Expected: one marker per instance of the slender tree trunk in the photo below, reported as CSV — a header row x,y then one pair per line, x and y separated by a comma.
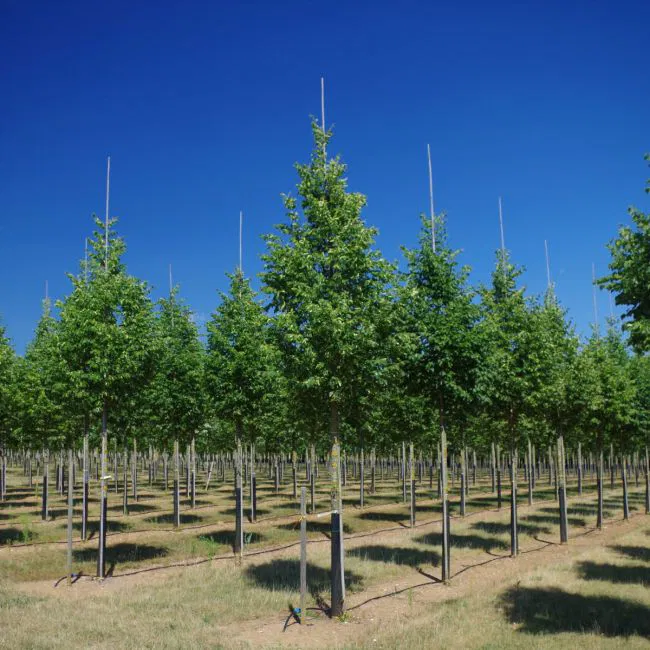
x,y
134,469
193,475
626,503
498,457
361,476
514,532
125,481
599,482
463,481
70,512
561,473
404,472
253,486
411,485
531,473
85,486
579,469
647,482
493,468
103,497
446,540
45,509
239,500
176,496
337,550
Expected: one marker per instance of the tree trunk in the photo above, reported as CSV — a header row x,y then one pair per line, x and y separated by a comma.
x,y
411,486
599,483
86,478
239,501
561,474
103,497
70,511
514,532
337,550
626,503
446,551
125,480
176,496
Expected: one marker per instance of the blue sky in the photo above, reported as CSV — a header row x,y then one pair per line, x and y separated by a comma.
x,y
204,108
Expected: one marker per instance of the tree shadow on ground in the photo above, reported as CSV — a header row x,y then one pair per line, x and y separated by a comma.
x,y
323,527
284,574
24,504
486,544
572,521
553,611
432,509
384,516
500,528
587,510
292,506
637,574
198,502
413,557
636,552
169,519
373,498
134,508
120,553
92,527
15,536
232,512
227,538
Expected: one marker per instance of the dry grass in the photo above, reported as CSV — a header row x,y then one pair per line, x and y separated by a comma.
x,y
597,599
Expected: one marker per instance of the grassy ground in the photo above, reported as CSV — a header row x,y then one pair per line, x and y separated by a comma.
x,y
596,597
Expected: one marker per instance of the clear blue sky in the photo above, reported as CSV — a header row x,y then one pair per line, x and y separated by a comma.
x,y
204,108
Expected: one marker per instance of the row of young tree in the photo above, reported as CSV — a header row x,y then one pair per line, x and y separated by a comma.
x,y
341,348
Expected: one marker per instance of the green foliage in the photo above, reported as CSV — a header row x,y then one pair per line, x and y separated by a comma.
x,y
441,342
326,284
175,397
42,386
242,364
513,372
629,276
106,331
8,389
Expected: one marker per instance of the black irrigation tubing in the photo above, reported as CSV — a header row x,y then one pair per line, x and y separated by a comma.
x,y
280,499
436,581
230,556
280,517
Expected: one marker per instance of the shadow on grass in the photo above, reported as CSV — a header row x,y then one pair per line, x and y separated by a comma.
x,y
15,536
486,544
227,538
374,498
323,527
384,516
413,557
637,574
587,510
282,574
92,527
169,519
291,506
500,528
232,511
120,553
553,611
636,552
134,508
573,521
